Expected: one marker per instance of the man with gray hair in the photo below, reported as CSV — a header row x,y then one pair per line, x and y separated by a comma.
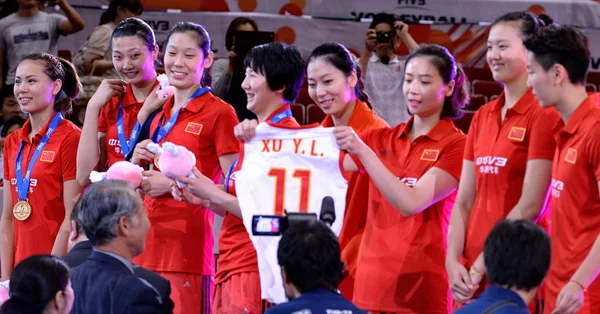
x,y
114,219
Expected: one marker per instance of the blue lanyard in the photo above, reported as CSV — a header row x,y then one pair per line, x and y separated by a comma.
x,y
230,173
287,113
126,146
23,182
165,129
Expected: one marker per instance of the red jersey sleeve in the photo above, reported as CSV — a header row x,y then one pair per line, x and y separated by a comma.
x,y
68,155
594,150
452,155
366,137
102,120
542,144
469,153
225,140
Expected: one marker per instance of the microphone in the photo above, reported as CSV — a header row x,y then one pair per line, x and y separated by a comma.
x,y
327,211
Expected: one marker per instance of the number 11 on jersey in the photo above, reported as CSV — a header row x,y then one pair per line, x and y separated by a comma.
x,y
280,177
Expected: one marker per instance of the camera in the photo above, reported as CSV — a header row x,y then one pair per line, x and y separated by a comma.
x,y
271,225
384,37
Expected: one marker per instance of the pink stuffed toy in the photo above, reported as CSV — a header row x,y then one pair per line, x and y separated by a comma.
x,y
165,90
4,295
174,161
121,170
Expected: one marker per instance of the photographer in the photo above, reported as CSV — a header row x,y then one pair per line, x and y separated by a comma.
x,y
311,281
383,70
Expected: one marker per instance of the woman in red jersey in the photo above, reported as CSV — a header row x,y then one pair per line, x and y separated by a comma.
x,y
336,86
180,242
558,61
509,151
414,169
110,130
39,162
274,75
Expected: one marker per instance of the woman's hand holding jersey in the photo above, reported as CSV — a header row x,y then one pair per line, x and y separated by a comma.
x,y
245,130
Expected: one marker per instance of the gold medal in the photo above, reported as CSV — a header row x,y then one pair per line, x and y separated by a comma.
x,y
22,210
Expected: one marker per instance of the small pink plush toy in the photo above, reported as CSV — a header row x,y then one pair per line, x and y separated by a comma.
x,y
4,295
165,90
121,170
174,161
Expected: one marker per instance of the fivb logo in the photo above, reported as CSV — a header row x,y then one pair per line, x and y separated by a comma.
x,y
557,187
490,164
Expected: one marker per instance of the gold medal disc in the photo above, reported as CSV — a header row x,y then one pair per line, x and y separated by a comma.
x,y
22,210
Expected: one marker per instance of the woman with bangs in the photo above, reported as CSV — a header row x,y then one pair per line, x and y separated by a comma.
x,y
180,242
111,127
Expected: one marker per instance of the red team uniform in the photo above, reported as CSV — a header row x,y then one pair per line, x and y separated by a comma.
x,y
575,202
56,164
180,241
401,260
500,151
361,120
237,283
107,122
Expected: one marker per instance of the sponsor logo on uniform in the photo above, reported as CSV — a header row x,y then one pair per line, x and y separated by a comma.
x,y
557,187
490,164
409,181
194,128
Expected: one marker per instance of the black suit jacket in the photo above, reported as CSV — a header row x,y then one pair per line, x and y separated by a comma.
x,y
104,285
83,249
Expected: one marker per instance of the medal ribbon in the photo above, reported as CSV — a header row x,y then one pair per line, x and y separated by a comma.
x,y
287,113
165,129
126,146
23,182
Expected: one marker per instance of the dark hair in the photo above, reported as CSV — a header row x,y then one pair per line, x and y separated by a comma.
x,y
529,24
517,254
281,65
135,27
546,19
338,56
6,91
34,283
14,120
59,69
387,18
202,39
449,70
564,45
233,27
320,264
133,6
101,206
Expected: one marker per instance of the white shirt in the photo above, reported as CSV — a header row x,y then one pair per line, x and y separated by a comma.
x,y
383,84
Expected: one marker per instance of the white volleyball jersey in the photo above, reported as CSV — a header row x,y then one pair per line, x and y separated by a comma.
x,y
291,170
